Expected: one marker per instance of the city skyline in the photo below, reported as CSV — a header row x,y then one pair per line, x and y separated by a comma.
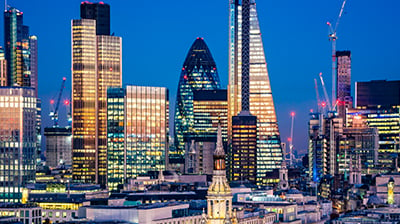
x,y
295,42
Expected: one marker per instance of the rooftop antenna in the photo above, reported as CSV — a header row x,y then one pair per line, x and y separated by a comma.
x,y
5,5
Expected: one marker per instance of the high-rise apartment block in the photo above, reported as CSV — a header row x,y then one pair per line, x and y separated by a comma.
x,y
199,72
58,146
137,132
17,141
246,56
209,108
96,65
343,83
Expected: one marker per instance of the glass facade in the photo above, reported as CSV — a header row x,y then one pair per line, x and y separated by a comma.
x,y
96,63
3,68
137,132
17,49
17,141
244,148
343,82
199,72
387,122
269,152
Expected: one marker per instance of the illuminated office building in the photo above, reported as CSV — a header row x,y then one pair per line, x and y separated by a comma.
x,y
137,132
58,146
324,133
3,68
244,148
199,72
17,141
209,108
261,105
96,65
343,83
17,49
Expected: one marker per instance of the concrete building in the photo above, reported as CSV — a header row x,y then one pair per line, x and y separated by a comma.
x,y
24,213
58,146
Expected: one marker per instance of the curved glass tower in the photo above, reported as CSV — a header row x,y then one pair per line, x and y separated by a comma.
x,y
199,72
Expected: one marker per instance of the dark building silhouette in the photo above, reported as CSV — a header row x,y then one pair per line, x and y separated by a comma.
x,y
99,12
376,93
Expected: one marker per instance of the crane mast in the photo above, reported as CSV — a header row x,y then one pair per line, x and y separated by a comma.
x,y
54,114
333,38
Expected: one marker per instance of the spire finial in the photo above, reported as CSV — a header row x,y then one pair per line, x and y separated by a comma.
x,y
220,148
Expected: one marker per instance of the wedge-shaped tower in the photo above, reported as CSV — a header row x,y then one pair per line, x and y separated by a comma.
x,y
260,103
199,72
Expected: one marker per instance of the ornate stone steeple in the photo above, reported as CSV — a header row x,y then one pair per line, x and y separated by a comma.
x,y
219,196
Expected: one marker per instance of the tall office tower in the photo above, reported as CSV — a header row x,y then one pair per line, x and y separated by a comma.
x,y
96,65
58,146
244,149
137,132
358,141
199,72
261,105
99,12
16,39
324,133
17,141
3,68
378,102
210,107
343,83
33,43
219,194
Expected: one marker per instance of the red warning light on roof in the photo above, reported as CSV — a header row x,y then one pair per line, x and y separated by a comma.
x,y
185,77
66,102
51,101
183,69
102,3
292,114
323,104
64,78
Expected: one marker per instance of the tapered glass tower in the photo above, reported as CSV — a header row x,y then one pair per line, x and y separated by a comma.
x,y
199,72
260,101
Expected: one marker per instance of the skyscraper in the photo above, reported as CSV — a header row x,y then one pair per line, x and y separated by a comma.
x,y
209,109
17,49
3,68
245,20
96,65
33,43
99,12
17,141
343,83
137,132
199,72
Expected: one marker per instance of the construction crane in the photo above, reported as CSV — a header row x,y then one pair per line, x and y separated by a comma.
x,y
332,39
292,114
54,113
325,92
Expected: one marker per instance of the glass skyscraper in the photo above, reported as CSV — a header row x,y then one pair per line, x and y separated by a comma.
x,y
3,68
97,65
199,72
17,141
17,49
261,104
137,132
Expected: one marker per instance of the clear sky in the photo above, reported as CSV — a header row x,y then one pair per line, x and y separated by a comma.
x,y
157,35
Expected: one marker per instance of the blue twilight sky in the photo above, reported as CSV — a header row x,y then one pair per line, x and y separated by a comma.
x,y
157,35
